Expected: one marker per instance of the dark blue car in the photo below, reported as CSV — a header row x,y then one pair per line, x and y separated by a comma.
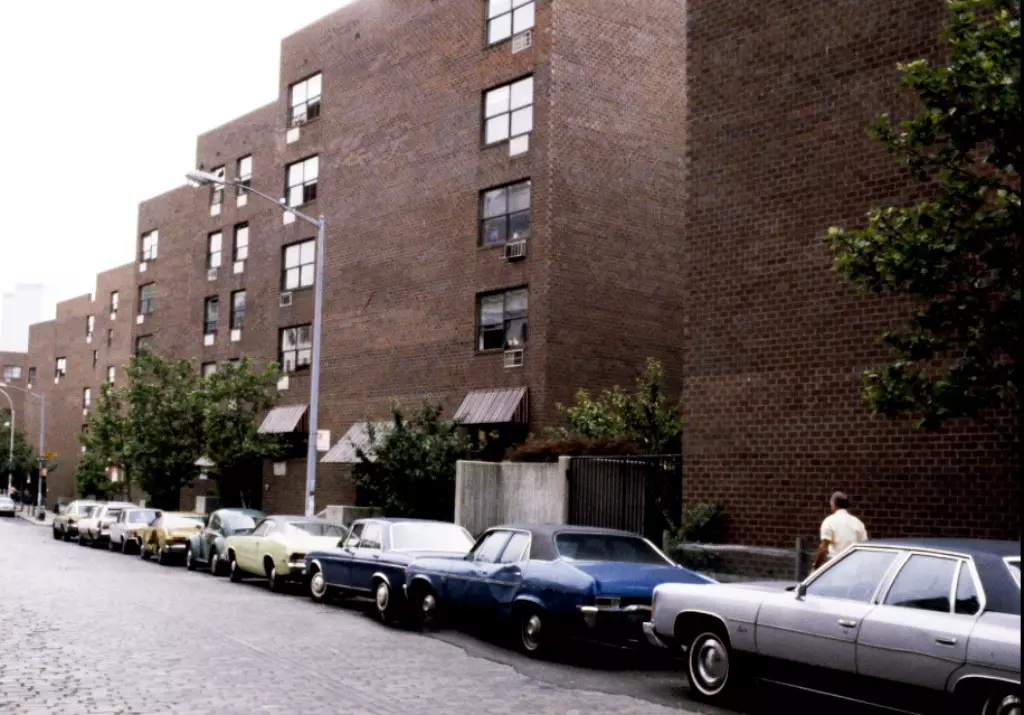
x,y
553,582
371,561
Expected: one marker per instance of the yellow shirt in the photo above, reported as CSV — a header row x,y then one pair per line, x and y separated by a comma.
x,y
842,529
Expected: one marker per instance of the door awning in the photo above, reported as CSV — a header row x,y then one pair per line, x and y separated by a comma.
x,y
282,420
357,437
493,407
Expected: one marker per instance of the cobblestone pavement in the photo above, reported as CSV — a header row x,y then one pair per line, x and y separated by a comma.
x,y
88,632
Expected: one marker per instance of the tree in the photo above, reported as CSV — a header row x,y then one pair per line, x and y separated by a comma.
x,y
235,396
408,469
91,477
25,464
105,437
956,255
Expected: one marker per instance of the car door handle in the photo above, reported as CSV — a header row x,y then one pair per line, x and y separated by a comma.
x,y
942,640
846,623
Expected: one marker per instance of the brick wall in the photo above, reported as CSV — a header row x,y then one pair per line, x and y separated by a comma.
x,y
779,100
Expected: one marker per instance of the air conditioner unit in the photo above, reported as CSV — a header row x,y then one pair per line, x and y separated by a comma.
x,y
285,299
514,251
514,358
522,41
211,274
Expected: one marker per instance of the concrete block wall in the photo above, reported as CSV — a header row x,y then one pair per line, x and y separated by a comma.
x,y
492,493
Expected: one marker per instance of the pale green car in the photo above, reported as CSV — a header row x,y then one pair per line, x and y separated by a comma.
x,y
276,547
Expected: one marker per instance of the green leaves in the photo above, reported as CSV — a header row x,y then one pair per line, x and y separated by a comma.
x,y
957,255
24,464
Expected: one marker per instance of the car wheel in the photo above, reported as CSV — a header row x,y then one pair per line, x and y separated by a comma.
x,y
144,552
234,572
1001,703
533,630
422,607
190,563
710,666
214,563
111,545
273,581
56,535
386,606
64,534
81,539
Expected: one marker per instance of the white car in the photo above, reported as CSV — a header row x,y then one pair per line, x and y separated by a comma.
x,y
126,531
95,530
6,506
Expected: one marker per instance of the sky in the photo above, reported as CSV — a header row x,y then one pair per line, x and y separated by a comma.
x,y
102,103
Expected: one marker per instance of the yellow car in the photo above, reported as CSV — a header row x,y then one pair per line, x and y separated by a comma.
x,y
65,524
276,547
167,537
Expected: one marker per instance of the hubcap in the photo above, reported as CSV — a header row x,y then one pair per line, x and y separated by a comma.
x,y
317,585
272,576
428,604
214,564
383,596
532,628
712,663
188,558
1003,705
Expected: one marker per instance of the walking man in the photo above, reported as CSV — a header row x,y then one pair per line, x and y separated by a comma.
x,y
839,530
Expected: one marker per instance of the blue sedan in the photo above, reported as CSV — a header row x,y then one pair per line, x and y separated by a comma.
x,y
553,582
371,561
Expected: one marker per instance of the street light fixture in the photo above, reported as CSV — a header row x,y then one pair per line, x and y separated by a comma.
x,y
205,178
42,438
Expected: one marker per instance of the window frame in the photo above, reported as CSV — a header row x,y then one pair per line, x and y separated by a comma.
x,y
10,375
115,301
32,374
244,225
473,553
217,189
111,374
299,266
296,350
149,302
483,219
883,584
60,366
243,180
149,253
904,559
86,398
292,124
212,300
237,318
315,184
210,252
483,110
207,368
506,320
512,30
90,325
143,341
110,337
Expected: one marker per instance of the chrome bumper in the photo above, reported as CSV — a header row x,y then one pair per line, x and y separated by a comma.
x,y
652,635
175,547
591,614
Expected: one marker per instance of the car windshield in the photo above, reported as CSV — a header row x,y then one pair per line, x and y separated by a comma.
x,y
237,521
84,510
142,517
181,522
319,528
113,513
606,547
1014,566
448,538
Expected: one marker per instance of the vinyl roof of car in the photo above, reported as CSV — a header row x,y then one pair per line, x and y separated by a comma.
x,y
968,547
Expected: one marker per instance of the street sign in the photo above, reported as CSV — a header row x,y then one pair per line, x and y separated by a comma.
x,y
50,455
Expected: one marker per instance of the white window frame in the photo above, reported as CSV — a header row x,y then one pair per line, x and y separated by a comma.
x,y
214,249
305,99
507,18
290,343
301,181
508,111
299,272
243,174
150,242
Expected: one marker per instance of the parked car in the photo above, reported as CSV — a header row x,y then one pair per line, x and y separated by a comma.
x,y
65,524
276,548
6,506
207,547
126,531
167,537
371,561
94,530
909,624
553,582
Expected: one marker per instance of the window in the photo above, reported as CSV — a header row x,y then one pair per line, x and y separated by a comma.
x,y
353,537
1013,563
501,320
855,577
214,243
149,245
967,601
243,175
305,100
241,242
111,373
301,180
110,337
142,343
606,547
263,528
505,214
299,262
31,376
508,17
516,548
371,537
238,310
208,368
508,111
211,315
86,398
487,550
62,367
147,298
115,302
13,372
296,351
217,188
95,358
924,583
90,325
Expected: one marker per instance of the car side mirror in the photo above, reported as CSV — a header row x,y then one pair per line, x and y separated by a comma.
x,y
801,590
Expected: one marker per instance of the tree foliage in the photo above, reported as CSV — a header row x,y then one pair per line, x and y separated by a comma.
x,y
408,469
92,480
104,438
957,255
24,465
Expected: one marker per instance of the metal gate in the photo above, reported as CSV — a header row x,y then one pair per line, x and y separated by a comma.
x,y
633,493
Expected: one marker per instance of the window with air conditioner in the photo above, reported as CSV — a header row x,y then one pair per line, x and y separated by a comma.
x,y
149,241
211,315
304,100
508,111
296,348
240,248
217,187
501,319
301,181
298,265
238,310
506,18
243,175
147,298
505,214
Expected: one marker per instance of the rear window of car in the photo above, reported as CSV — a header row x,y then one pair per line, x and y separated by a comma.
x,y
1014,566
318,528
181,522
606,547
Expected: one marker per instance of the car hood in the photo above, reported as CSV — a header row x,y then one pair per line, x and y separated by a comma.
x,y
638,580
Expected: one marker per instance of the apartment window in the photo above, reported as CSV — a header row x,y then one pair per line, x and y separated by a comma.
x,y
296,351
208,368
505,214
31,376
301,178
90,325
110,337
149,244
217,188
111,374
211,315
508,17
299,265
214,243
143,343
87,398
305,100
147,298
235,361
62,367
243,175
13,372
508,111
238,310
241,242
115,302
501,319
95,358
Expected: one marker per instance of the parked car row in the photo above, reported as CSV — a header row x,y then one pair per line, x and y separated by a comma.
x,y
912,625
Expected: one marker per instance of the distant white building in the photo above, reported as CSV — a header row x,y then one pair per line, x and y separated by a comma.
x,y
20,309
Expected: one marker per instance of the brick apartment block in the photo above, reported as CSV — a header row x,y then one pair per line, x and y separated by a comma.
x,y
684,161
13,372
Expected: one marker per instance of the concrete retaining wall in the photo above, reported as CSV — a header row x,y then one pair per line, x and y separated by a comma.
x,y
491,493
345,515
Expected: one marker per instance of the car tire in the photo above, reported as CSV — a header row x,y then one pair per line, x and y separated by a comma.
x,y
999,702
81,539
274,582
111,545
423,607
710,666
64,534
56,535
214,563
319,591
162,557
234,573
190,563
144,552
384,602
534,631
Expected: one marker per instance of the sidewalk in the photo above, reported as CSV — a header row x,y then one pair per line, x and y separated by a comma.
x,y
30,517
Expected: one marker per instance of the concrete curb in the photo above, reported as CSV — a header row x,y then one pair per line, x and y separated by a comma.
x,y
47,521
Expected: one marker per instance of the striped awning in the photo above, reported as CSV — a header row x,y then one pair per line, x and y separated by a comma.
x,y
357,437
493,407
282,420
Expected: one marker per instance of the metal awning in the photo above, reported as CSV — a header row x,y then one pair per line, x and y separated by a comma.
x,y
282,420
492,407
357,437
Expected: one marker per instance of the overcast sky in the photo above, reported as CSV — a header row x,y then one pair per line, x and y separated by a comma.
x,y
102,102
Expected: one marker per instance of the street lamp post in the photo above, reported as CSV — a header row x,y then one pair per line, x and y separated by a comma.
x,y
42,439
10,458
204,178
